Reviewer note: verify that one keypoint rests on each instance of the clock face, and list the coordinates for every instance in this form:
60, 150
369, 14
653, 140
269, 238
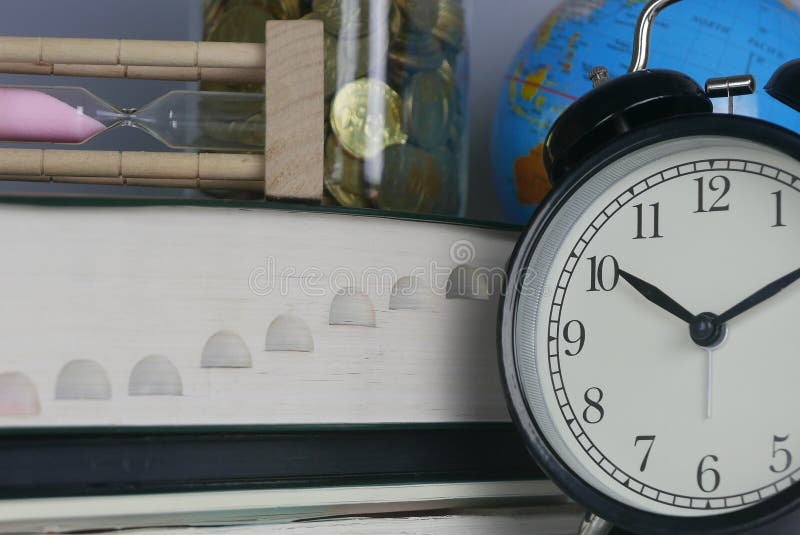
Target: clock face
618, 388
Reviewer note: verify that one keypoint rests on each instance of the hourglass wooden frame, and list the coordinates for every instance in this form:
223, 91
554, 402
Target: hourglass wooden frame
290, 64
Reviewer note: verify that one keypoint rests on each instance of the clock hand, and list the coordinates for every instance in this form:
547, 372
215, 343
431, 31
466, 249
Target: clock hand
709, 378
759, 297
658, 297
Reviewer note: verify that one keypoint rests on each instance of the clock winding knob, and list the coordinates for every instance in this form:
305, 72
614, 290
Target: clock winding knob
706, 330
598, 75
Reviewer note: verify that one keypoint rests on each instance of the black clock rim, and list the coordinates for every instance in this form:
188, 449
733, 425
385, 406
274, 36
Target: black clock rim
574, 486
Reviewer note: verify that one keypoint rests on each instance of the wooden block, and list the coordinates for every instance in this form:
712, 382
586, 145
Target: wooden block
25, 68
160, 165
23, 162
294, 110
87, 51
77, 69
222, 166
80, 163
21, 49
158, 53
230, 55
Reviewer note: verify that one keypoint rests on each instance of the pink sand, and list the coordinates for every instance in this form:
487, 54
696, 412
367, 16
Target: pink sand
30, 115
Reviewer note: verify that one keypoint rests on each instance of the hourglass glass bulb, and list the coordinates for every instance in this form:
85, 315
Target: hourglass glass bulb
179, 119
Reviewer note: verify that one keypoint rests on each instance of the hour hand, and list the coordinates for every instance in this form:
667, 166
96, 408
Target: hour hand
657, 296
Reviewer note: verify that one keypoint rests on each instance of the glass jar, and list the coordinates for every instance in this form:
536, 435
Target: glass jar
395, 95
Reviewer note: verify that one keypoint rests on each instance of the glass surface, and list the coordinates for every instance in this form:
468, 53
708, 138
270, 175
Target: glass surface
395, 95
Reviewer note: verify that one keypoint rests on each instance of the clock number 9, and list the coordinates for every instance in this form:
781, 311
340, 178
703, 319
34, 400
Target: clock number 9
786, 454
701, 475
604, 274
580, 339
716, 184
594, 412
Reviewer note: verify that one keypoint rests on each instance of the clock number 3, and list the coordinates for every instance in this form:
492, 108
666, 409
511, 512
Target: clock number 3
719, 184
781, 453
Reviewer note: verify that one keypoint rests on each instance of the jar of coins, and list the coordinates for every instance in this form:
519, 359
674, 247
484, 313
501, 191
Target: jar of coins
395, 95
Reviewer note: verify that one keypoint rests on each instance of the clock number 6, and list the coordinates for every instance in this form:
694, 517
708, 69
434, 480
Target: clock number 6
786, 454
716, 184
604, 274
701, 475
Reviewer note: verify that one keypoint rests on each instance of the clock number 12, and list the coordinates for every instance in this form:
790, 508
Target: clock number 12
719, 184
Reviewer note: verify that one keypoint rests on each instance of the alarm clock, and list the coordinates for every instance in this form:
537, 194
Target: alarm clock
647, 333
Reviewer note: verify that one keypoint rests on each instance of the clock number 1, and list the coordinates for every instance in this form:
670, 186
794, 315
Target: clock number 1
778, 209
604, 273
640, 223
719, 183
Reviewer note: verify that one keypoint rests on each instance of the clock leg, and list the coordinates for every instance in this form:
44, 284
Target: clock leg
594, 525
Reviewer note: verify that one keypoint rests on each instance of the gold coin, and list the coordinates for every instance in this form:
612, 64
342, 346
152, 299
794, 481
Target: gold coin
348, 59
344, 17
212, 11
284, 9
365, 116
427, 109
344, 176
241, 21
449, 26
415, 51
450, 195
419, 15
411, 181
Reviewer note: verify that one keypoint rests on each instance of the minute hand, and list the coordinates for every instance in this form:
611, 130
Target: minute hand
657, 296
760, 296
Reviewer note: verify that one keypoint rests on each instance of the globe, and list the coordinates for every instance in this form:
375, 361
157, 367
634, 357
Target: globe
702, 38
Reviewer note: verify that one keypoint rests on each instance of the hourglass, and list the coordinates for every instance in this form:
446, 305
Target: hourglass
200, 120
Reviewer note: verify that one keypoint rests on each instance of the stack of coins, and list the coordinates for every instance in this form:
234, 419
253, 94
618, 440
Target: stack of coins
396, 131
394, 95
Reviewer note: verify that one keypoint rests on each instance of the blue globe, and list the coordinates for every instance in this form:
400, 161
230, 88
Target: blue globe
702, 38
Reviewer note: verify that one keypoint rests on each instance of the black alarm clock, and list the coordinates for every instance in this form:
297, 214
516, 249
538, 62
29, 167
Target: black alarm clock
648, 332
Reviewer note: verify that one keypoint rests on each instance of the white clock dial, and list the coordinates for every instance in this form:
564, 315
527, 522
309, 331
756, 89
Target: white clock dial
618, 387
